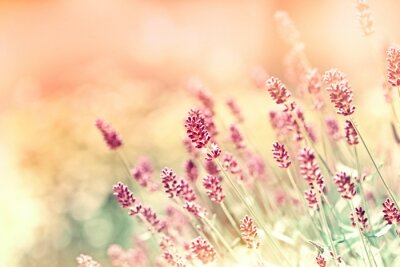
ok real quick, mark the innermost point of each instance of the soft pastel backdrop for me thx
(65, 63)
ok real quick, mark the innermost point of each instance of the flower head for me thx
(280, 155)
(110, 136)
(311, 198)
(351, 133)
(192, 173)
(236, 137)
(391, 213)
(235, 110)
(143, 172)
(362, 219)
(346, 188)
(152, 218)
(203, 250)
(196, 128)
(195, 209)
(214, 153)
(123, 195)
(170, 182)
(214, 189)
(320, 260)
(340, 92)
(248, 231)
(332, 128)
(364, 17)
(310, 170)
(277, 90)
(393, 66)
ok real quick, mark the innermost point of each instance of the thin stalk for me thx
(230, 217)
(364, 201)
(326, 230)
(360, 233)
(375, 165)
(249, 208)
(220, 237)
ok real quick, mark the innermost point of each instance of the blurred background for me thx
(64, 63)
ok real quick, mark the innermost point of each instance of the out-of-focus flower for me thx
(235, 110)
(393, 66)
(281, 155)
(236, 137)
(86, 261)
(185, 191)
(110, 136)
(320, 260)
(214, 152)
(192, 173)
(143, 172)
(364, 17)
(286, 28)
(332, 128)
(314, 81)
(152, 218)
(195, 209)
(214, 189)
(248, 231)
(203, 250)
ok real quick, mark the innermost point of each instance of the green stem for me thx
(375, 165)
(359, 232)
(230, 217)
(221, 238)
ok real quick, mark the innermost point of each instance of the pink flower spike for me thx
(332, 128)
(310, 170)
(170, 182)
(248, 231)
(320, 260)
(280, 155)
(393, 66)
(277, 90)
(391, 213)
(192, 173)
(236, 137)
(364, 17)
(351, 133)
(340, 92)
(203, 250)
(195, 209)
(123, 195)
(143, 172)
(184, 190)
(311, 198)
(362, 219)
(314, 81)
(214, 189)
(346, 188)
(110, 136)
(214, 153)
(235, 110)
(196, 128)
